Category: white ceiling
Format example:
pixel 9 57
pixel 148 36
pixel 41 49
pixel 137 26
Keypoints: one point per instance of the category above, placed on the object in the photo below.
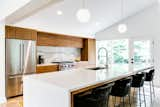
pixel 104 13
pixel 30 8
pixel 145 24
pixel 9 6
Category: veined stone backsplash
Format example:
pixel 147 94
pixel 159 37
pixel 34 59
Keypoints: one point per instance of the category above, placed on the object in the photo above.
pixel 52 54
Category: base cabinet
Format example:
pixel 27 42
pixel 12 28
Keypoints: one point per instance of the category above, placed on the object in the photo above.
pixel 47 68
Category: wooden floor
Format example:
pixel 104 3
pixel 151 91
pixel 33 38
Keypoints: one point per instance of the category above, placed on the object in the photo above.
pixel 18 102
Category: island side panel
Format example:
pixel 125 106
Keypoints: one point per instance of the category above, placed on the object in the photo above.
pixel 41 94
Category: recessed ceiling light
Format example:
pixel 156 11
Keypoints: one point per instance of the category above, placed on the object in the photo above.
pixel 59 12
pixel 122 28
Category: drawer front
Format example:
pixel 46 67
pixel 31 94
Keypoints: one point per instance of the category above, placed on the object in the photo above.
pixel 48 68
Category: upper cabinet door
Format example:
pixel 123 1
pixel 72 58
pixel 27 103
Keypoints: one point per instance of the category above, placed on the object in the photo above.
pixel 10 32
pixel 50 39
pixel 25 34
pixel 20 33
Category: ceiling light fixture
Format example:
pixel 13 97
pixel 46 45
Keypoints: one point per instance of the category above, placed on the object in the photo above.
pixel 122 28
pixel 83 14
pixel 59 12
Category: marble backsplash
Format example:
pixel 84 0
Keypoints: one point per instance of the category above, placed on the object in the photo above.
pixel 52 54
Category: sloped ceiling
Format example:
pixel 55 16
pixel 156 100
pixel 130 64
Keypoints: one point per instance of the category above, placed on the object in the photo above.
pixel 30 8
pixel 9 6
pixel 104 13
pixel 145 24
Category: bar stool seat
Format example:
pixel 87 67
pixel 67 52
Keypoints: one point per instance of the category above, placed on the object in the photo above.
pixel 138 82
pixel 149 78
pixel 99 97
pixel 122 89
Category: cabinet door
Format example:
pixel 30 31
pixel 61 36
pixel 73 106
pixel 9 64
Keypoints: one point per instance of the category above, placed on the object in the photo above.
pixel 22 33
pixel 47 68
pixel 88 52
pixel 92 51
pixel 10 32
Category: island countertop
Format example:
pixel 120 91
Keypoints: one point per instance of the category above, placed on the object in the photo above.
pixel 56 89
pixel 75 79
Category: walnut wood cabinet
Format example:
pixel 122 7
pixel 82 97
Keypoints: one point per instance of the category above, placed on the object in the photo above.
pixel 88 46
pixel 88 52
pixel 20 33
pixel 50 39
pixel 47 68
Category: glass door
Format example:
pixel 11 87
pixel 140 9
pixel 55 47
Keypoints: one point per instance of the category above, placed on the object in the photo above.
pixel 141 53
pixel 125 54
pixel 117 56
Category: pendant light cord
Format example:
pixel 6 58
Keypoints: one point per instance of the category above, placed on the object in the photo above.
pixel 83 4
pixel 122 9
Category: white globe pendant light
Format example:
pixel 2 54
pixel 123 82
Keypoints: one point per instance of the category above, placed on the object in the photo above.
pixel 122 28
pixel 83 14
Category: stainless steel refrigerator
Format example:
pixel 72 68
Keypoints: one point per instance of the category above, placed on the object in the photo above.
pixel 20 61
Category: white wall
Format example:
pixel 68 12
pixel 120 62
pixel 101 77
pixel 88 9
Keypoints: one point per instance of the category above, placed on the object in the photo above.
pixel 156 52
pixel 2 62
pixel 144 25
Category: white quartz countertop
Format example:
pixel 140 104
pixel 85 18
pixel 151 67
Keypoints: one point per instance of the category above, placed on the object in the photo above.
pixel 75 79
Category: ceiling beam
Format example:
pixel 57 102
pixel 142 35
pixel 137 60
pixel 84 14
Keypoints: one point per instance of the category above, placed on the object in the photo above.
pixel 30 8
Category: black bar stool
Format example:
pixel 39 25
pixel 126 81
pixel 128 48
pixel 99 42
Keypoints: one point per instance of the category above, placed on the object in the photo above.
pixel 122 89
pixel 149 78
pixel 138 82
pixel 99 97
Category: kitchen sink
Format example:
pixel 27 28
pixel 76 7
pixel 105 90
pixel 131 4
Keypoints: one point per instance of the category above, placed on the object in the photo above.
pixel 97 68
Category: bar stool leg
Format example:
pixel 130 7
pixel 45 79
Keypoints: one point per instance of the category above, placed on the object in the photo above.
pixel 115 102
pixel 133 95
pixel 144 96
pixel 123 102
pixel 108 102
pixel 120 100
pixel 153 88
pixel 129 99
pixel 150 91
pixel 140 96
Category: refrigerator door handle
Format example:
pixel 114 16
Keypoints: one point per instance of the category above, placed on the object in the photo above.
pixel 20 66
pixel 23 58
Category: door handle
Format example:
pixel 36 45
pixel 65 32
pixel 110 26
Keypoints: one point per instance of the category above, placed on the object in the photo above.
pixel 20 60
pixel 132 60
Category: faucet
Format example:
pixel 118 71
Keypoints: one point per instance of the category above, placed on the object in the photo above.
pixel 99 50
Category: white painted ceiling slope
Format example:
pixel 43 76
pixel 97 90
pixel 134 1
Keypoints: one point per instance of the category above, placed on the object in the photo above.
pixel 9 6
pixel 145 25
pixel 104 13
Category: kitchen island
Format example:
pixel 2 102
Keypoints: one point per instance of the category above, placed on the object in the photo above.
pixel 58 88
